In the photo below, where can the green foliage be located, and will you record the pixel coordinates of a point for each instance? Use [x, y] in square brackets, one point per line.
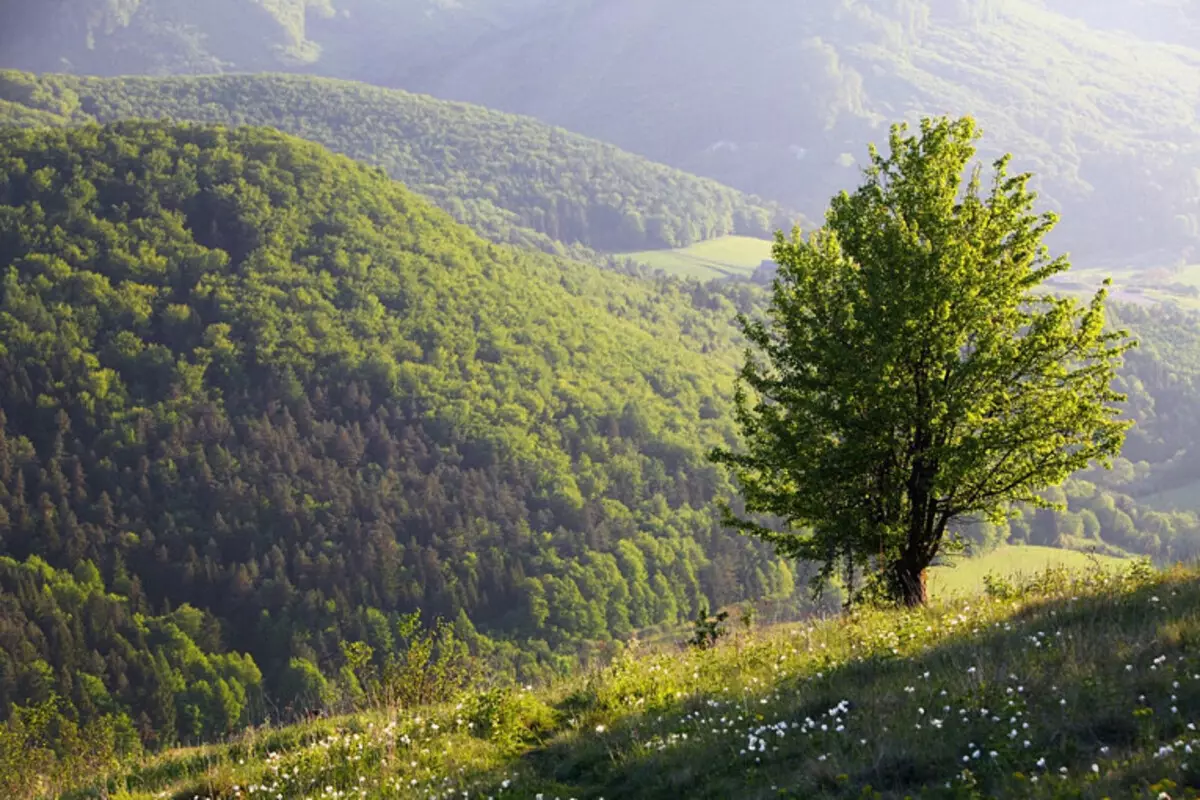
[913, 375]
[511, 178]
[433, 665]
[43, 750]
[280, 404]
[509, 718]
[96, 660]
[707, 629]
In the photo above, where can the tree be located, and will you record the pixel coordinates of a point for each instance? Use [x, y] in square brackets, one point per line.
[914, 371]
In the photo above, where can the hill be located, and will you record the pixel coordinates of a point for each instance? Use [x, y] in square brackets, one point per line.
[512, 178]
[1058, 687]
[246, 377]
[341, 37]
[242, 373]
[1106, 119]
[1097, 98]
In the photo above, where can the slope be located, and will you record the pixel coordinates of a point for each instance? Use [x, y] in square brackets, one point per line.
[1061, 687]
[1098, 98]
[342, 37]
[271, 383]
[780, 100]
[241, 373]
[515, 179]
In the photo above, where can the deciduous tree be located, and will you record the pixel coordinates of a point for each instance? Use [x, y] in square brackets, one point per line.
[912, 369]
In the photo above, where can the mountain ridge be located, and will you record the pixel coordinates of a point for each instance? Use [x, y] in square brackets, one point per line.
[516, 179]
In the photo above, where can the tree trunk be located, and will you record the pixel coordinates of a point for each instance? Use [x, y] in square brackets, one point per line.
[909, 583]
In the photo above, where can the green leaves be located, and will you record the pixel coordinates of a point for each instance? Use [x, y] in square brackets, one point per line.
[911, 375]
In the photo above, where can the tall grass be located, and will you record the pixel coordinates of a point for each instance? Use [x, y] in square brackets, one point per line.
[1059, 685]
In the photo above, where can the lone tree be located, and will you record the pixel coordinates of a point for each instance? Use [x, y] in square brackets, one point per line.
[910, 372]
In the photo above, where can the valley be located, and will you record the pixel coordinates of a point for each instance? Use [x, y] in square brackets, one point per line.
[395, 402]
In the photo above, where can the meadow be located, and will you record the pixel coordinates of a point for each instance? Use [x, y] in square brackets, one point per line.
[723, 257]
[1061, 684]
[1179, 284]
[964, 577]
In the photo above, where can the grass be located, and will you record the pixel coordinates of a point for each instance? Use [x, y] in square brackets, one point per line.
[965, 577]
[724, 257]
[1178, 285]
[1065, 685]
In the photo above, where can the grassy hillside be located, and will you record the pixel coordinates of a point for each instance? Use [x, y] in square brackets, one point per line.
[724, 257]
[964, 577]
[512, 178]
[1061, 687]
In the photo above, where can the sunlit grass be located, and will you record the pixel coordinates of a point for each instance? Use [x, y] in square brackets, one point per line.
[1064, 685]
[965, 576]
[716, 258]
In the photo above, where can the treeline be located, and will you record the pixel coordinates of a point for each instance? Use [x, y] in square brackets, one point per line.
[511, 178]
[244, 375]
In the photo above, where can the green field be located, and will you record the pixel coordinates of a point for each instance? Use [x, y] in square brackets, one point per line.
[965, 576]
[1179, 284]
[726, 257]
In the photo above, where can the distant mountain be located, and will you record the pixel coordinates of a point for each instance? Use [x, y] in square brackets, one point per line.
[781, 99]
[778, 99]
[338, 37]
[1171, 21]
[513, 178]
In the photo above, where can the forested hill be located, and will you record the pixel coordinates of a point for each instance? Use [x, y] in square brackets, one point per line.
[259, 402]
[778, 99]
[512, 178]
[242, 373]
[1107, 119]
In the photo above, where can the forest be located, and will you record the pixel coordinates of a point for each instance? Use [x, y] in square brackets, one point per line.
[246, 376]
[513, 179]
[268, 405]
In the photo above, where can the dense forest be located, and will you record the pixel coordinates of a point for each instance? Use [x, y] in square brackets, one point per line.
[511, 178]
[1097, 98]
[240, 373]
[264, 402]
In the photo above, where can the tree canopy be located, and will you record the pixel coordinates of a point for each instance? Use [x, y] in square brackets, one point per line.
[273, 384]
[912, 374]
[513, 179]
